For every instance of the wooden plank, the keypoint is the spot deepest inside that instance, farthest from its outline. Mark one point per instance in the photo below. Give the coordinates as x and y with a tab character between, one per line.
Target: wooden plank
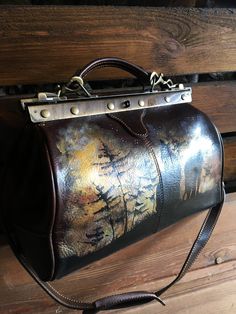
41	44
148	264
230	158
218	101
217	299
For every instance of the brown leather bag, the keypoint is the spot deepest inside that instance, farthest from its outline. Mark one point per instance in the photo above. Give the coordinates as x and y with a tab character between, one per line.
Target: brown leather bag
92	174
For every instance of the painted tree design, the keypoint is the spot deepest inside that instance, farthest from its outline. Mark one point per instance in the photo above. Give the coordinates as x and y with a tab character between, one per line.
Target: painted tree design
134	208
112	164
110	188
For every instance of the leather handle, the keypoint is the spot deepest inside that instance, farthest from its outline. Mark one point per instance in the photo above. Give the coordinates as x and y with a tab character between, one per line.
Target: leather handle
125	300
131	68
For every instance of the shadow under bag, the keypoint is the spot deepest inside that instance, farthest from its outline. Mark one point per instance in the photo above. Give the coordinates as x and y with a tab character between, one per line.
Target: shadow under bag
92	174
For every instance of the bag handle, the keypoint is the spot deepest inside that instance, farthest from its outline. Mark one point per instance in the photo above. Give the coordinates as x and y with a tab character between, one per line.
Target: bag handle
147	80
131	68
77	81
135	297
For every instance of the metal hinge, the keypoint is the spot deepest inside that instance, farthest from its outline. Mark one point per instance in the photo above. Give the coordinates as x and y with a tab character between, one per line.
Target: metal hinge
50	107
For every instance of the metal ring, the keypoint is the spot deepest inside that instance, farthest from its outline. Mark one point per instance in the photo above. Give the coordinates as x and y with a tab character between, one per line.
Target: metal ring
77	79
80	82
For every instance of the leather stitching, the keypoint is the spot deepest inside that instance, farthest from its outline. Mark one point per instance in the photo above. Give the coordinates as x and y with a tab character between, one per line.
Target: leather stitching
190	262
129	128
191	258
63	296
148	144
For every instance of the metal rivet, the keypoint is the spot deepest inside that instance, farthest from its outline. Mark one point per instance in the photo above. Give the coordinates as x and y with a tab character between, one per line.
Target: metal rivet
74	110
184	96
141	103
111	106
219	260
45	113
167	99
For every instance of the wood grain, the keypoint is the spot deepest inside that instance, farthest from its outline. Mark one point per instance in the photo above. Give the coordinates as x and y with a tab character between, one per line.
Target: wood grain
218	101
41	44
148	264
230	158
217	299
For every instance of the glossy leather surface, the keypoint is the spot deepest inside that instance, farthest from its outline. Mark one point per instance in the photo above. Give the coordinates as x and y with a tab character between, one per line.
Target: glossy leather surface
121	177
93	185
28	200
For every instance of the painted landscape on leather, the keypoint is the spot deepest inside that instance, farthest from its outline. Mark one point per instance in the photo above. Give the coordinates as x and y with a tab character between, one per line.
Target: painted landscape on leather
110	186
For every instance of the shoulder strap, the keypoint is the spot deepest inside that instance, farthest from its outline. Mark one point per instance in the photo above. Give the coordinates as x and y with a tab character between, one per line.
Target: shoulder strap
135	297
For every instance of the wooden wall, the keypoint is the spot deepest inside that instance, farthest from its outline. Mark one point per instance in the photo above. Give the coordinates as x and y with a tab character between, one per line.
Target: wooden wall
47	44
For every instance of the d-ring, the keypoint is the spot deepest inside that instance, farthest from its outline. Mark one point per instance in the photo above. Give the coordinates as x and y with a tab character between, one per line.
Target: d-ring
80	82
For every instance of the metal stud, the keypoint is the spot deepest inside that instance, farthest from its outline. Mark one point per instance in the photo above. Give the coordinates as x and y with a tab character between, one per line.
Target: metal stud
45	113
74	110
110	106
141	103
184	96
167	99
219	260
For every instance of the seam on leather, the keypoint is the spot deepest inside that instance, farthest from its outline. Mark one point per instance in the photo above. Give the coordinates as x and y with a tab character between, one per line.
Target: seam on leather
65	297
36	234
222	160
54	198
149	146
129	128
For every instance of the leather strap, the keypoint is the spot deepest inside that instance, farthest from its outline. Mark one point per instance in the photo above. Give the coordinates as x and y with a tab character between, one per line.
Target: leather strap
131	68
135	297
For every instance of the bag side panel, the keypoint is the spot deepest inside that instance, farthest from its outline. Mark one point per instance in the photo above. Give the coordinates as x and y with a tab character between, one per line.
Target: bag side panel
28	201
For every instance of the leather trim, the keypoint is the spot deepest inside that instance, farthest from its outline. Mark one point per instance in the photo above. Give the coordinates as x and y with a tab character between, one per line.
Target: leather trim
53	198
222	159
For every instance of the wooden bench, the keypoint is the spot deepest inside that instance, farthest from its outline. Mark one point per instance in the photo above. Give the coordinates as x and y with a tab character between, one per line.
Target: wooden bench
46	45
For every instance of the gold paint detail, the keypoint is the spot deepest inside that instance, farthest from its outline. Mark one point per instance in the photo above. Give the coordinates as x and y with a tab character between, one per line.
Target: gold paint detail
196	156
110	188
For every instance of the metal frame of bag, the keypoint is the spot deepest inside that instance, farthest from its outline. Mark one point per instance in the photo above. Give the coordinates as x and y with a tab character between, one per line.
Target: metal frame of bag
145	145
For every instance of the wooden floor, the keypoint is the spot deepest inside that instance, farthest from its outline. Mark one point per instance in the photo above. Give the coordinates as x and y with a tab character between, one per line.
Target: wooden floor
209	287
